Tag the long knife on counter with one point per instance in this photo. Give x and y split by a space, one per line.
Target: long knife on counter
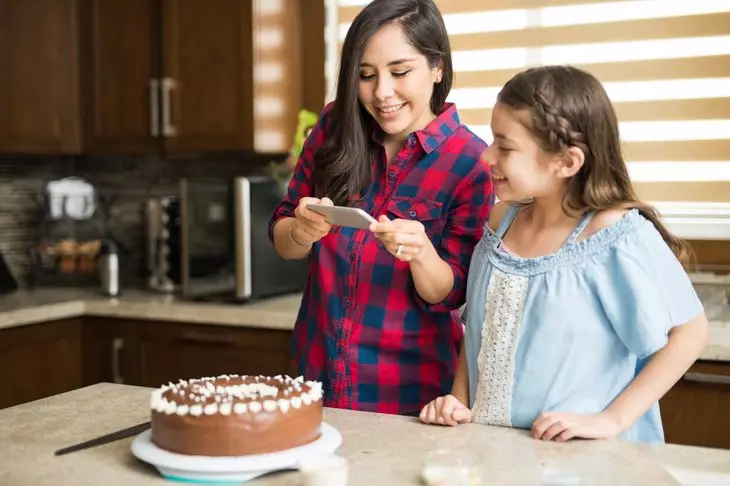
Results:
105 439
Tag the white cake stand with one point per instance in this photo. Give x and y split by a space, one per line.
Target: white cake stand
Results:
220 470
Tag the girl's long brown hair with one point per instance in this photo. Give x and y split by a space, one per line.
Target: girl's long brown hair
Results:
570 108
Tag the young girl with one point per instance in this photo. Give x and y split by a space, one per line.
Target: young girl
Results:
579 315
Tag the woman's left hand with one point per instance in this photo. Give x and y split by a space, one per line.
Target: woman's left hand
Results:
559 426
404 239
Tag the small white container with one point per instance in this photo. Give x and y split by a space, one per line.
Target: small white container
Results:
324 470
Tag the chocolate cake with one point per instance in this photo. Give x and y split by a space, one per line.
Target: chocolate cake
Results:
233 415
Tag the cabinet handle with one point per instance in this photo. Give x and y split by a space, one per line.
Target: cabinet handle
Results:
168 129
707 378
155 107
201 337
117 346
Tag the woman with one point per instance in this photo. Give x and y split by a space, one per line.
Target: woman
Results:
379 322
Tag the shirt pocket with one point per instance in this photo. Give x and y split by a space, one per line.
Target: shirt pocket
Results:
426 211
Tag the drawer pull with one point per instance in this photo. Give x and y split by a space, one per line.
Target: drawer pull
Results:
201 337
707 378
117 346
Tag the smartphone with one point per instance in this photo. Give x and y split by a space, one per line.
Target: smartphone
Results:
344 216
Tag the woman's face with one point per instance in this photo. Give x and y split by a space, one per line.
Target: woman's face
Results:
396 83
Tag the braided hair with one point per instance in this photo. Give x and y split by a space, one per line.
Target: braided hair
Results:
570 108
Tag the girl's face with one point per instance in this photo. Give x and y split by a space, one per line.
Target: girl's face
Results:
396 83
521 169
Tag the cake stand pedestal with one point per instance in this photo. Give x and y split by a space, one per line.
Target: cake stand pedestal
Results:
230 470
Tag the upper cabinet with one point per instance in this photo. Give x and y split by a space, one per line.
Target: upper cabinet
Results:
146 76
121 71
39 90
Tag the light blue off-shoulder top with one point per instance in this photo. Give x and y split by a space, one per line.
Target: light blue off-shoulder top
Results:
569 331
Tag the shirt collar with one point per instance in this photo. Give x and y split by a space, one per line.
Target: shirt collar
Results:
431 136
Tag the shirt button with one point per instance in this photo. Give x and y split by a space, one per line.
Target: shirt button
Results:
391 174
348 303
353 256
412 213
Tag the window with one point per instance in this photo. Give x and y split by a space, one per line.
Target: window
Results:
664 63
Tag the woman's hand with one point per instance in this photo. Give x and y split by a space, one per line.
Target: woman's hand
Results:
404 239
560 426
446 410
310 227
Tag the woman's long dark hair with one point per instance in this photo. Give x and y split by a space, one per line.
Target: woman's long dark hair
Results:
570 108
343 165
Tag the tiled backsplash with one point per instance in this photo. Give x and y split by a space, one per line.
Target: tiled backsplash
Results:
129 181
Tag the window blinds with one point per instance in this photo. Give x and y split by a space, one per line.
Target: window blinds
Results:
664 63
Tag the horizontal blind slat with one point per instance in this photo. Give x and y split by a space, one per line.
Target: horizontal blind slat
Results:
685 150
699 67
684 191
347 13
637 111
677 27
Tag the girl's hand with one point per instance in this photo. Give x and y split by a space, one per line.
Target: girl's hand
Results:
404 239
560 426
446 410
310 227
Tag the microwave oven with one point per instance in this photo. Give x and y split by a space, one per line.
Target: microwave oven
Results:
224 243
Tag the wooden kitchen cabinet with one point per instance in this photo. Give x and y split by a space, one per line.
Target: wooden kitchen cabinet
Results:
40 360
696 411
138 77
172 75
39 89
110 351
171 351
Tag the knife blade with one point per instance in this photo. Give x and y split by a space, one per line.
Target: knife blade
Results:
104 439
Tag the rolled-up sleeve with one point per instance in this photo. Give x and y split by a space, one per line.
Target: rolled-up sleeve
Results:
301 182
468 215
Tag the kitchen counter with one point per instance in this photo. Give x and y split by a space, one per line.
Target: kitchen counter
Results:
49 304
380 449
275 313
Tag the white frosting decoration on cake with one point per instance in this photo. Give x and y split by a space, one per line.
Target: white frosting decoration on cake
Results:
258 396
211 409
254 407
225 409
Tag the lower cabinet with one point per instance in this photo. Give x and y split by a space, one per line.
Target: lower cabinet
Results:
696 411
171 352
40 360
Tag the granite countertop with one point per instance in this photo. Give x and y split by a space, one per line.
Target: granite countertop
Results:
380 449
48 304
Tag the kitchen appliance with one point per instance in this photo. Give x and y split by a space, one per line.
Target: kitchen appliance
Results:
163 243
224 244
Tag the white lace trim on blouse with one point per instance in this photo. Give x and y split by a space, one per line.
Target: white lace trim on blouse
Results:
505 303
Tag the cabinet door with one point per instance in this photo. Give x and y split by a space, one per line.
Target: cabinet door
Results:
696 411
121 71
207 89
39 360
110 351
170 352
39 110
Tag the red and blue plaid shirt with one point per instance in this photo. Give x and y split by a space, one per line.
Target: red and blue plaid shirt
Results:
362 328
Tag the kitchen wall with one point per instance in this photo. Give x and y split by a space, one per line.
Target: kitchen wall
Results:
129 181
